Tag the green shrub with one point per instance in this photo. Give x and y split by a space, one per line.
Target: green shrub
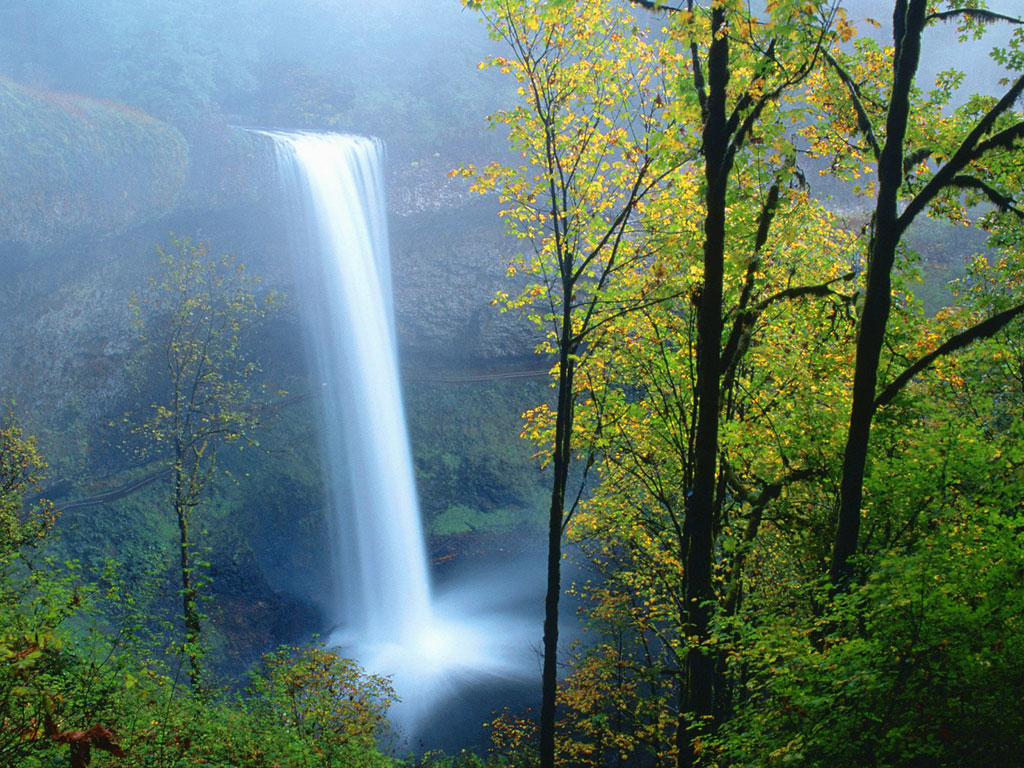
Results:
922 666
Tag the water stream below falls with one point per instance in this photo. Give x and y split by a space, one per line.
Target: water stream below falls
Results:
387 614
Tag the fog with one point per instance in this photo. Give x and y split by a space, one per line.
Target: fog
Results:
942 48
404 71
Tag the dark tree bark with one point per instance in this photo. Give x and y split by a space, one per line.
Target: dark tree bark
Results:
560 465
908 24
698 531
890 224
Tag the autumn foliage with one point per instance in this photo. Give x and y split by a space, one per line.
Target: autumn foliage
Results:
771 586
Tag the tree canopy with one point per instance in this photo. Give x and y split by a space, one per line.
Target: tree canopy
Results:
752 381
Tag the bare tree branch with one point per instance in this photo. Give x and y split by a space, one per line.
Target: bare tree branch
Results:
982 330
975 14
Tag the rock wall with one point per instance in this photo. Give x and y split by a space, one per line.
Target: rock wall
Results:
87 188
448 267
450 258
72 166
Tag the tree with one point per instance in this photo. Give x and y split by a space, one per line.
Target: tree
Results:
740 87
772 59
921 167
23 703
589 100
637 407
195 318
704 390
22 468
43 703
333 710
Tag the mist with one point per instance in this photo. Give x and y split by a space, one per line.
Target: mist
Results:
128 124
403 71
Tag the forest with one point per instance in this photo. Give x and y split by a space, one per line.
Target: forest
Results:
744 388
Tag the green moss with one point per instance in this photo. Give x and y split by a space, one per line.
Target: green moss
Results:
71 164
459 518
473 470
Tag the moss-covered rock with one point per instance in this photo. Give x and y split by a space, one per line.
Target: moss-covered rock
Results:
74 166
229 168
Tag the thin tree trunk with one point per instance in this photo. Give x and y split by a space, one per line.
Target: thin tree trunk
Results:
189 594
560 465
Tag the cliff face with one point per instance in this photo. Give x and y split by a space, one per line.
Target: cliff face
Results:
87 188
448 265
72 166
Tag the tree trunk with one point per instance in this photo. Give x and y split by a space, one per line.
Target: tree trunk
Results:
189 593
700 506
560 464
908 24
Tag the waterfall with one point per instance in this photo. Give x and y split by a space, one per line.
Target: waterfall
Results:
381 581
388 618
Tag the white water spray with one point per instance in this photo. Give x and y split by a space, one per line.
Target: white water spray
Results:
381 579
388 618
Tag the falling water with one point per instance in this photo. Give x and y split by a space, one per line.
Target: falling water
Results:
382 587
388 619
